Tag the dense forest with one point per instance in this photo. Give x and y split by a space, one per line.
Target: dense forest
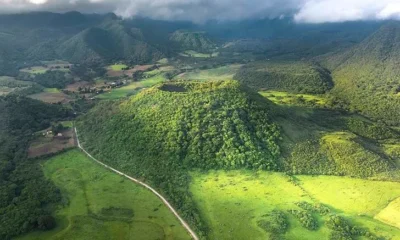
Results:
26 196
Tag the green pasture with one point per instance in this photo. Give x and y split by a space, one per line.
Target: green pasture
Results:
280 97
35 70
99 204
216 74
233 202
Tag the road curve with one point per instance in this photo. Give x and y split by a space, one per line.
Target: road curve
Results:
166 203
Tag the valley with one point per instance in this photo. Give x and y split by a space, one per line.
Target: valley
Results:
259 130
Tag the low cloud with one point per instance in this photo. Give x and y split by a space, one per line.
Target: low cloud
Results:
319 11
310 11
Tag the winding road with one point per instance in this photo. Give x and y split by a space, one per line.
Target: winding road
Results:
166 203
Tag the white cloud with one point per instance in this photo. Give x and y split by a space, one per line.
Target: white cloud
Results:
311 11
319 11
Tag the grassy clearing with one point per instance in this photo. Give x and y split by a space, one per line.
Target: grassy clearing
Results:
117 67
391 214
99 204
191 53
216 74
35 70
233 202
132 88
287 98
51 90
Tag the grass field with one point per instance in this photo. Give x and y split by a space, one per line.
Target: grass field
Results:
216 74
35 70
117 67
99 204
132 88
280 97
51 90
233 202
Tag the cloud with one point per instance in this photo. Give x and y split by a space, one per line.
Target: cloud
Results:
310 11
319 11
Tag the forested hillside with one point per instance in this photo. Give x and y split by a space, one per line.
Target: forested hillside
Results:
197 41
298 77
367 75
25 195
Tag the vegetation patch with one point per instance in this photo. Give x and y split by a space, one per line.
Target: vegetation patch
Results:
280 97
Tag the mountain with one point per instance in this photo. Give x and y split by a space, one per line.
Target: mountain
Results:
29 38
107 42
366 76
197 41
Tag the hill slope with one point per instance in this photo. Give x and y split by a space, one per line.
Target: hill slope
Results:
197 41
367 75
108 41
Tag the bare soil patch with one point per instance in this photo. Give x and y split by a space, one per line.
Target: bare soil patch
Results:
51 97
44 145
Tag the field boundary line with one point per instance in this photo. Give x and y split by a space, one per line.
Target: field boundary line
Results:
166 203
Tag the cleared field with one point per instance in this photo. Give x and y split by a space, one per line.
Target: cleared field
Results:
44 145
132 88
191 53
117 70
216 74
280 97
35 70
233 202
117 67
99 204
51 96
74 87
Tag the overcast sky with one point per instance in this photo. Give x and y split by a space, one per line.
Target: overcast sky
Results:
311 11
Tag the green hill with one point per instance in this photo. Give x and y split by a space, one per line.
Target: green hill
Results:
366 76
197 41
164 131
298 77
